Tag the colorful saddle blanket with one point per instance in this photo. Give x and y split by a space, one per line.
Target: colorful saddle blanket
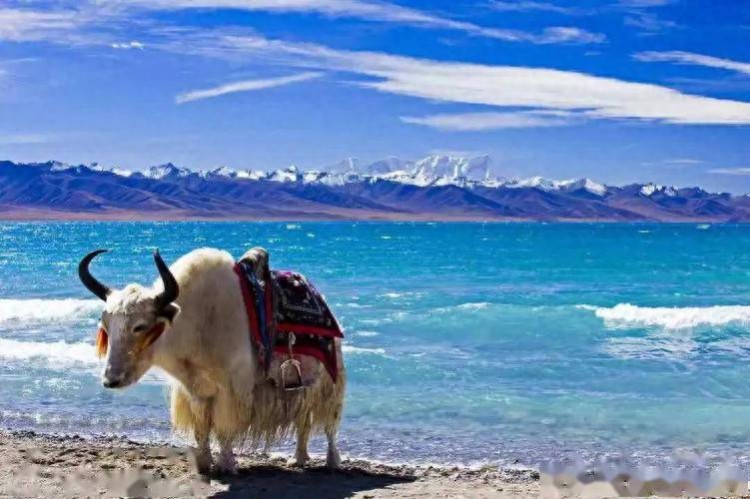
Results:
281 303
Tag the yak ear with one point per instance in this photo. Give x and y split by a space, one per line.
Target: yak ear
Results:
169 312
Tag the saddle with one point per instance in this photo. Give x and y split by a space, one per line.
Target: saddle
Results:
291 327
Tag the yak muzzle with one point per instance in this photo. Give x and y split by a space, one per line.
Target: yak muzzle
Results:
113 379
112 383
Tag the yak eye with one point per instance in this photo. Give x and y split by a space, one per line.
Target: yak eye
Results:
139 328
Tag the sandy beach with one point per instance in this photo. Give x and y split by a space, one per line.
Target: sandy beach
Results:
37 465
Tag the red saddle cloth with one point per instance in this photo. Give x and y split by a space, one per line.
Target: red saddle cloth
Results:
282 303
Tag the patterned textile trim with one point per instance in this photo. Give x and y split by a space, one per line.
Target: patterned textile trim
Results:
287 303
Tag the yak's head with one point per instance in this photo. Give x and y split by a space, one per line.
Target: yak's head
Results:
133 319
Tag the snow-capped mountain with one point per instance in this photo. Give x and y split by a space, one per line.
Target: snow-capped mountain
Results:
167 170
569 186
344 166
387 165
435 187
583 184
437 170
651 189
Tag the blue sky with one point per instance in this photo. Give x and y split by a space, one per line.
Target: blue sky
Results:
616 90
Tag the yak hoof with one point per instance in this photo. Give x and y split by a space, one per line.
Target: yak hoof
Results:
227 464
298 461
333 461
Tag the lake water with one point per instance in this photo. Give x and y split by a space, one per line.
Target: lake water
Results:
465 343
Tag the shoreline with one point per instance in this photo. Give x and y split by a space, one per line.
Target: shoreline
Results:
39 464
42 215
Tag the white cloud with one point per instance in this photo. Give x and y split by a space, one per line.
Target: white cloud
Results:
569 35
378 11
690 58
82 25
128 45
582 95
95 21
742 171
683 161
243 86
645 3
648 23
31 25
526 5
674 163
463 122
15 139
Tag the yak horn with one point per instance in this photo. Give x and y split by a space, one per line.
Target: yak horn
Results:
171 288
90 281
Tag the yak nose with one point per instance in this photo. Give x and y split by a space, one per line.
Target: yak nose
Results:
112 383
112 379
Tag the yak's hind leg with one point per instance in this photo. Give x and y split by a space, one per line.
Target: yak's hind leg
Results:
333 459
333 420
301 457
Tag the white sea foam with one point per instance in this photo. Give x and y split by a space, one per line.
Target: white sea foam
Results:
367 334
57 353
361 350
474 306
393 295
38 311
471 306
625 315
62 355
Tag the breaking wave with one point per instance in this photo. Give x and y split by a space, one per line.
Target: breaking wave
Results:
38 311
57 353
360 350
367 334
463 307
625 315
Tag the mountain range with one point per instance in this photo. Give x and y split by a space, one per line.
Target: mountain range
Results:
434 188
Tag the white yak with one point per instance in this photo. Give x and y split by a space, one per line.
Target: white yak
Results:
192 323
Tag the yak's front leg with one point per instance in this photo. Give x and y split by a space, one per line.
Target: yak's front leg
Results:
228 426
202 412
226 462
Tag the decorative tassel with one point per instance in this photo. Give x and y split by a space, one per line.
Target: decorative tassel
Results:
101 343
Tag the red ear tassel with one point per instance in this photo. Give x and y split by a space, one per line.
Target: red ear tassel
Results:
101 343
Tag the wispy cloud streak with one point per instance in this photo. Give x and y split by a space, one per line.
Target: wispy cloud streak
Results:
586 96
528 5
740 171
31 25
693 59
470 122
379 11
244 86
15 139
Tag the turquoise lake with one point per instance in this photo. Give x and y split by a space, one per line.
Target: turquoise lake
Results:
465 342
